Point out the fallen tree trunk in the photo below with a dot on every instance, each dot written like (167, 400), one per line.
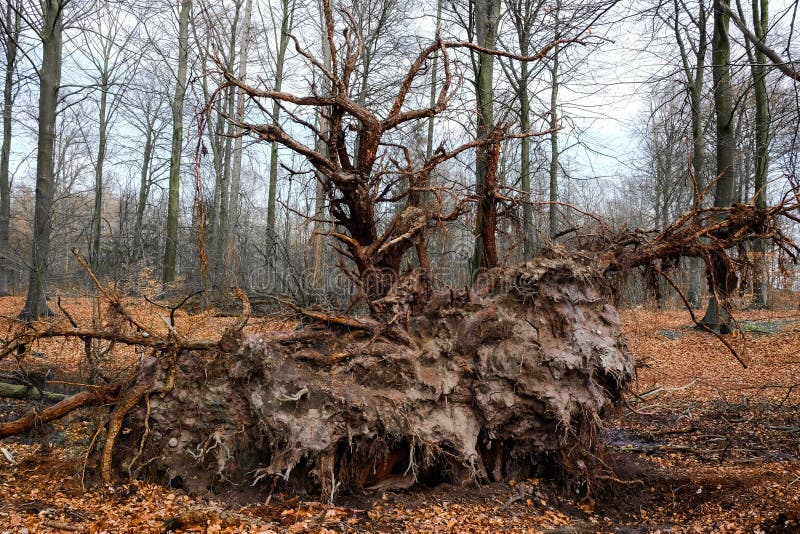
(92, 397)
(495, 383)
(21, 391)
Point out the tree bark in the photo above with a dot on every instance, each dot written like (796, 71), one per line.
(318, 226)
(33, 418)
(11, 38)
(721, 278)
(524, 14)
(553, 211)
(287, 16)
(21, 391)
(487, 15)
(49, 82)
(432, 98)
(762, 123)
(97, 213)
(695, 77)
(144, 189)
(230, 259)
(173, 202)
(224, 271)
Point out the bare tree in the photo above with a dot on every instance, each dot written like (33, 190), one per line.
(229, 259)
(106, 48)
(173, 203)
(554, 85)
(146, 110)
(758, 70)
(11, 30)
(722, 279)
(50, 33)
(525, 15)
(356, 184)
(486, 16)
(694, 73)
(281, 43)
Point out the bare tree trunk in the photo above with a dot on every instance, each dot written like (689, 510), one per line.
(317, 236)
(173, 206)
(487, 14)
(424, 197)
(97, 214)
(434, 89)
(230, 259)
(11, 38)
(761, 24)
(49, 82)
(695, 76)
(722, 280)
(144, 191)
(553, 212)
(287, 16)
(528, 242)
(221, 267)
(524, 14)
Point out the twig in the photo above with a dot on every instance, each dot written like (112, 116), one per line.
(61, 525)
(521, 495)
(660, 389)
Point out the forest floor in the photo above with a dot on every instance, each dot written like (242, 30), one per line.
(703, 445)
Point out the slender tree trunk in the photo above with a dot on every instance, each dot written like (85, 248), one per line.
(696, 81)
(49, 81)
(317, 236)
(221, 268)
(434, 85)
(13, 20)
(144, 192)
(286, 27)
(695, 76)
(97, 215)
(487, 14)
(761, 24)
(214, 214)
(528, 243)
(236, 173)
(553, 206)
(173, 205)
(722, 280)
(554, 83)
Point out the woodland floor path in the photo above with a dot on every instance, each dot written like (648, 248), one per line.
(704, 446)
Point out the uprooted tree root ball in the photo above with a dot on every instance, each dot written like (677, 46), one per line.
(492, 386)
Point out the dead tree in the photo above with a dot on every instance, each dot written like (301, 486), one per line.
(358, 168)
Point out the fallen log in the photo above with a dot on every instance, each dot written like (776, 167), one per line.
(32, 418)
(21, 391)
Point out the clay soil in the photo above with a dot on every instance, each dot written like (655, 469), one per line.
(703, 445)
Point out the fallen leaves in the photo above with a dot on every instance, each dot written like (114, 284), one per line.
(723, 453)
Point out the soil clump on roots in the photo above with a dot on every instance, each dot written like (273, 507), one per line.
(494, 383)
